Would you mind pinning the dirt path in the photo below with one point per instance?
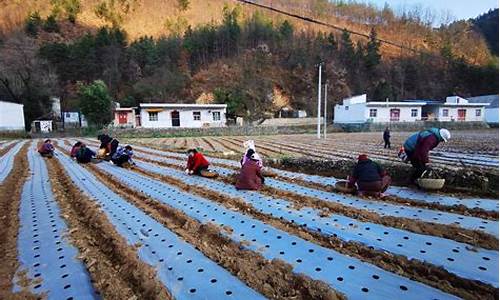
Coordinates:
(115, 268)
(10, 199)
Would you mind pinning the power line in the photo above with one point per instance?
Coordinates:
(311, 20)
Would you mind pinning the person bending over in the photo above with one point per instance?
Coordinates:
(123, 156)
(369, 177)
(196, 162)
(46, 149)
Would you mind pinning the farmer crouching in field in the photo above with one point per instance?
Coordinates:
(84, 155)
(196, 163)
(417, 148)
(123, 156)
(250, 148)
(108, 143)
(74, 149)
(250, 177)
(46, 149)
(370, 178)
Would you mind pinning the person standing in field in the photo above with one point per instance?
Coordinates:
(387, 138)
(371, 179)
(417, 147)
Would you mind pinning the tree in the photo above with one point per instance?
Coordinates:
(372, 58)
(183, 4)
(347, 53)
(32, 23)
(286, 30)
(50, 24)
(95, 102)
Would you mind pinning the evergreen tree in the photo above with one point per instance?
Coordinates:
(50, 24)
(32, 23)
(286, 30)
(372, 58)
(347, 53)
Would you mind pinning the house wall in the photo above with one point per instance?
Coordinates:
(355, 113)
(384, 114)
(186, 118)
(470, 115)
(11, 116)
(130, 119)
(491, 115)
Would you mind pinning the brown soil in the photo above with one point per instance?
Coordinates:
(414, 269)
(274, 279)
(6, 149)
(116, 270)
(10, 198)
(475, 238)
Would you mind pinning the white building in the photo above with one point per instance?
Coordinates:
(74, 119)
(11, 116)
(491, 111)
(357, 110)
(455, 109)
(167, 115)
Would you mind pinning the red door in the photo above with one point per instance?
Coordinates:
(395, 114)
(122, 118)
(461, 114)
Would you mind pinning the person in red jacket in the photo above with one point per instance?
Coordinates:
(250, 177)
(196, 162)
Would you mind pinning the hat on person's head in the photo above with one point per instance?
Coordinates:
(362, 157)
(445, 134)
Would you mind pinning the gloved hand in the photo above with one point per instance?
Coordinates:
(187, 171)
(191, 172)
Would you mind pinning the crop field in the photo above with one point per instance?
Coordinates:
(97, 231)
(466, 148)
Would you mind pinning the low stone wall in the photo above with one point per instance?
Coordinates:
(291, 122)
(411, 126)
(467, 180)
(221, 131)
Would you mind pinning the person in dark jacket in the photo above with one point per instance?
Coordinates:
(108, 143)
(46, 149)
(418, 146)
(369, 177)
(196, 162)
(75, 148)
(84, 155)
(123, 155)
(250, 177)
(387, 138)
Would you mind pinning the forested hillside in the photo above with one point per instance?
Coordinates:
(254, 60)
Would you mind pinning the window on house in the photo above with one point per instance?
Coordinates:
(445, 112)
(478, 112)
(216, 115)
(196, 115)
(414, 113)
(153, 116)
(347, 107)
(373, 113)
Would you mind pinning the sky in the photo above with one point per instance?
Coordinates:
(460, 9)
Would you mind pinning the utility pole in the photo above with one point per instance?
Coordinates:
(319, 102)
(325, 114)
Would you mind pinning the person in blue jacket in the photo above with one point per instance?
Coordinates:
(418, 145)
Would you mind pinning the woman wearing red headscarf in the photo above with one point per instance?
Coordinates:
(369, 176)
